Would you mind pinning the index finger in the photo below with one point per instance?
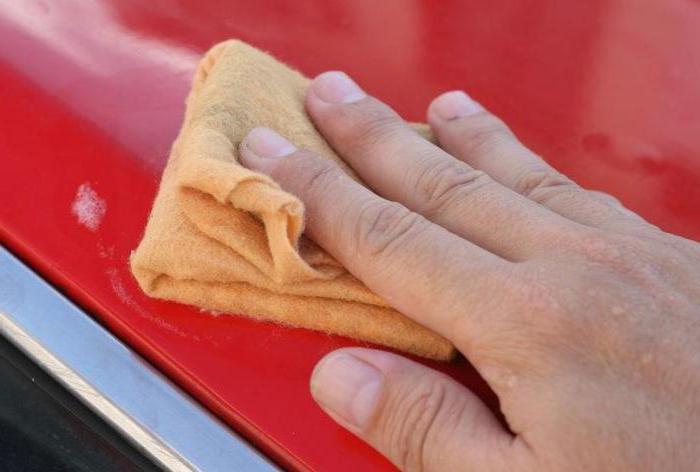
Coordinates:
(421, 269)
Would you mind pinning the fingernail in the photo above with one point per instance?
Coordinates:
(348, 387)
(337, 87)
(456, 104)
(267, 144)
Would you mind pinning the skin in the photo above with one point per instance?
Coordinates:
(582, 317)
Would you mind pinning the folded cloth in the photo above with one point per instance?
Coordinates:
(228, 239)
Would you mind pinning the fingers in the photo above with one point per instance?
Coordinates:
(395, 252)
(401, 166)
(418, 418)
(475, 136)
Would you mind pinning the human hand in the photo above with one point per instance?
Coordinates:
(583, 318)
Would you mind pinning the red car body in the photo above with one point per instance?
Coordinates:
(608, 91)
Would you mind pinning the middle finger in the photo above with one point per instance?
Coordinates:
(401, 166)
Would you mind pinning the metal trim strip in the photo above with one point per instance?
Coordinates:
(115, 382)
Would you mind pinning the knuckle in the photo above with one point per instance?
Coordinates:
(365, 125)
(319, 175)
(542, 185)
(484, 133)
(625, 256)
(440, 185)
(604, 197)
(412, 422)
(608, 202)
(600, 249)
(380, 228)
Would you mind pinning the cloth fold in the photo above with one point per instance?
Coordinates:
(228, 239)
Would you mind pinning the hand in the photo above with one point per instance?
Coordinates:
(583, 318)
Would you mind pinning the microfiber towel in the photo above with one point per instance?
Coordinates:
(227, 239)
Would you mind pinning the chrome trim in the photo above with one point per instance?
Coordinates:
(115, 382)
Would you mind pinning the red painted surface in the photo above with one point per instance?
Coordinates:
(92, 92)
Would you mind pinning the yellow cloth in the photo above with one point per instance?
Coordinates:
(225, 238)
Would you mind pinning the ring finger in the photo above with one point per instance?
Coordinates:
(480, 139)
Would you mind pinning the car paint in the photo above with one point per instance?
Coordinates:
(92, 97)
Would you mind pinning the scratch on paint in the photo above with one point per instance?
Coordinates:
(121, 292)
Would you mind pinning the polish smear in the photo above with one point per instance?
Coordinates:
(88, 207)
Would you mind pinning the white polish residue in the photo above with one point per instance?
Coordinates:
(88, 207)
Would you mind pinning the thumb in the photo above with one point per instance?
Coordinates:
(418, 418)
